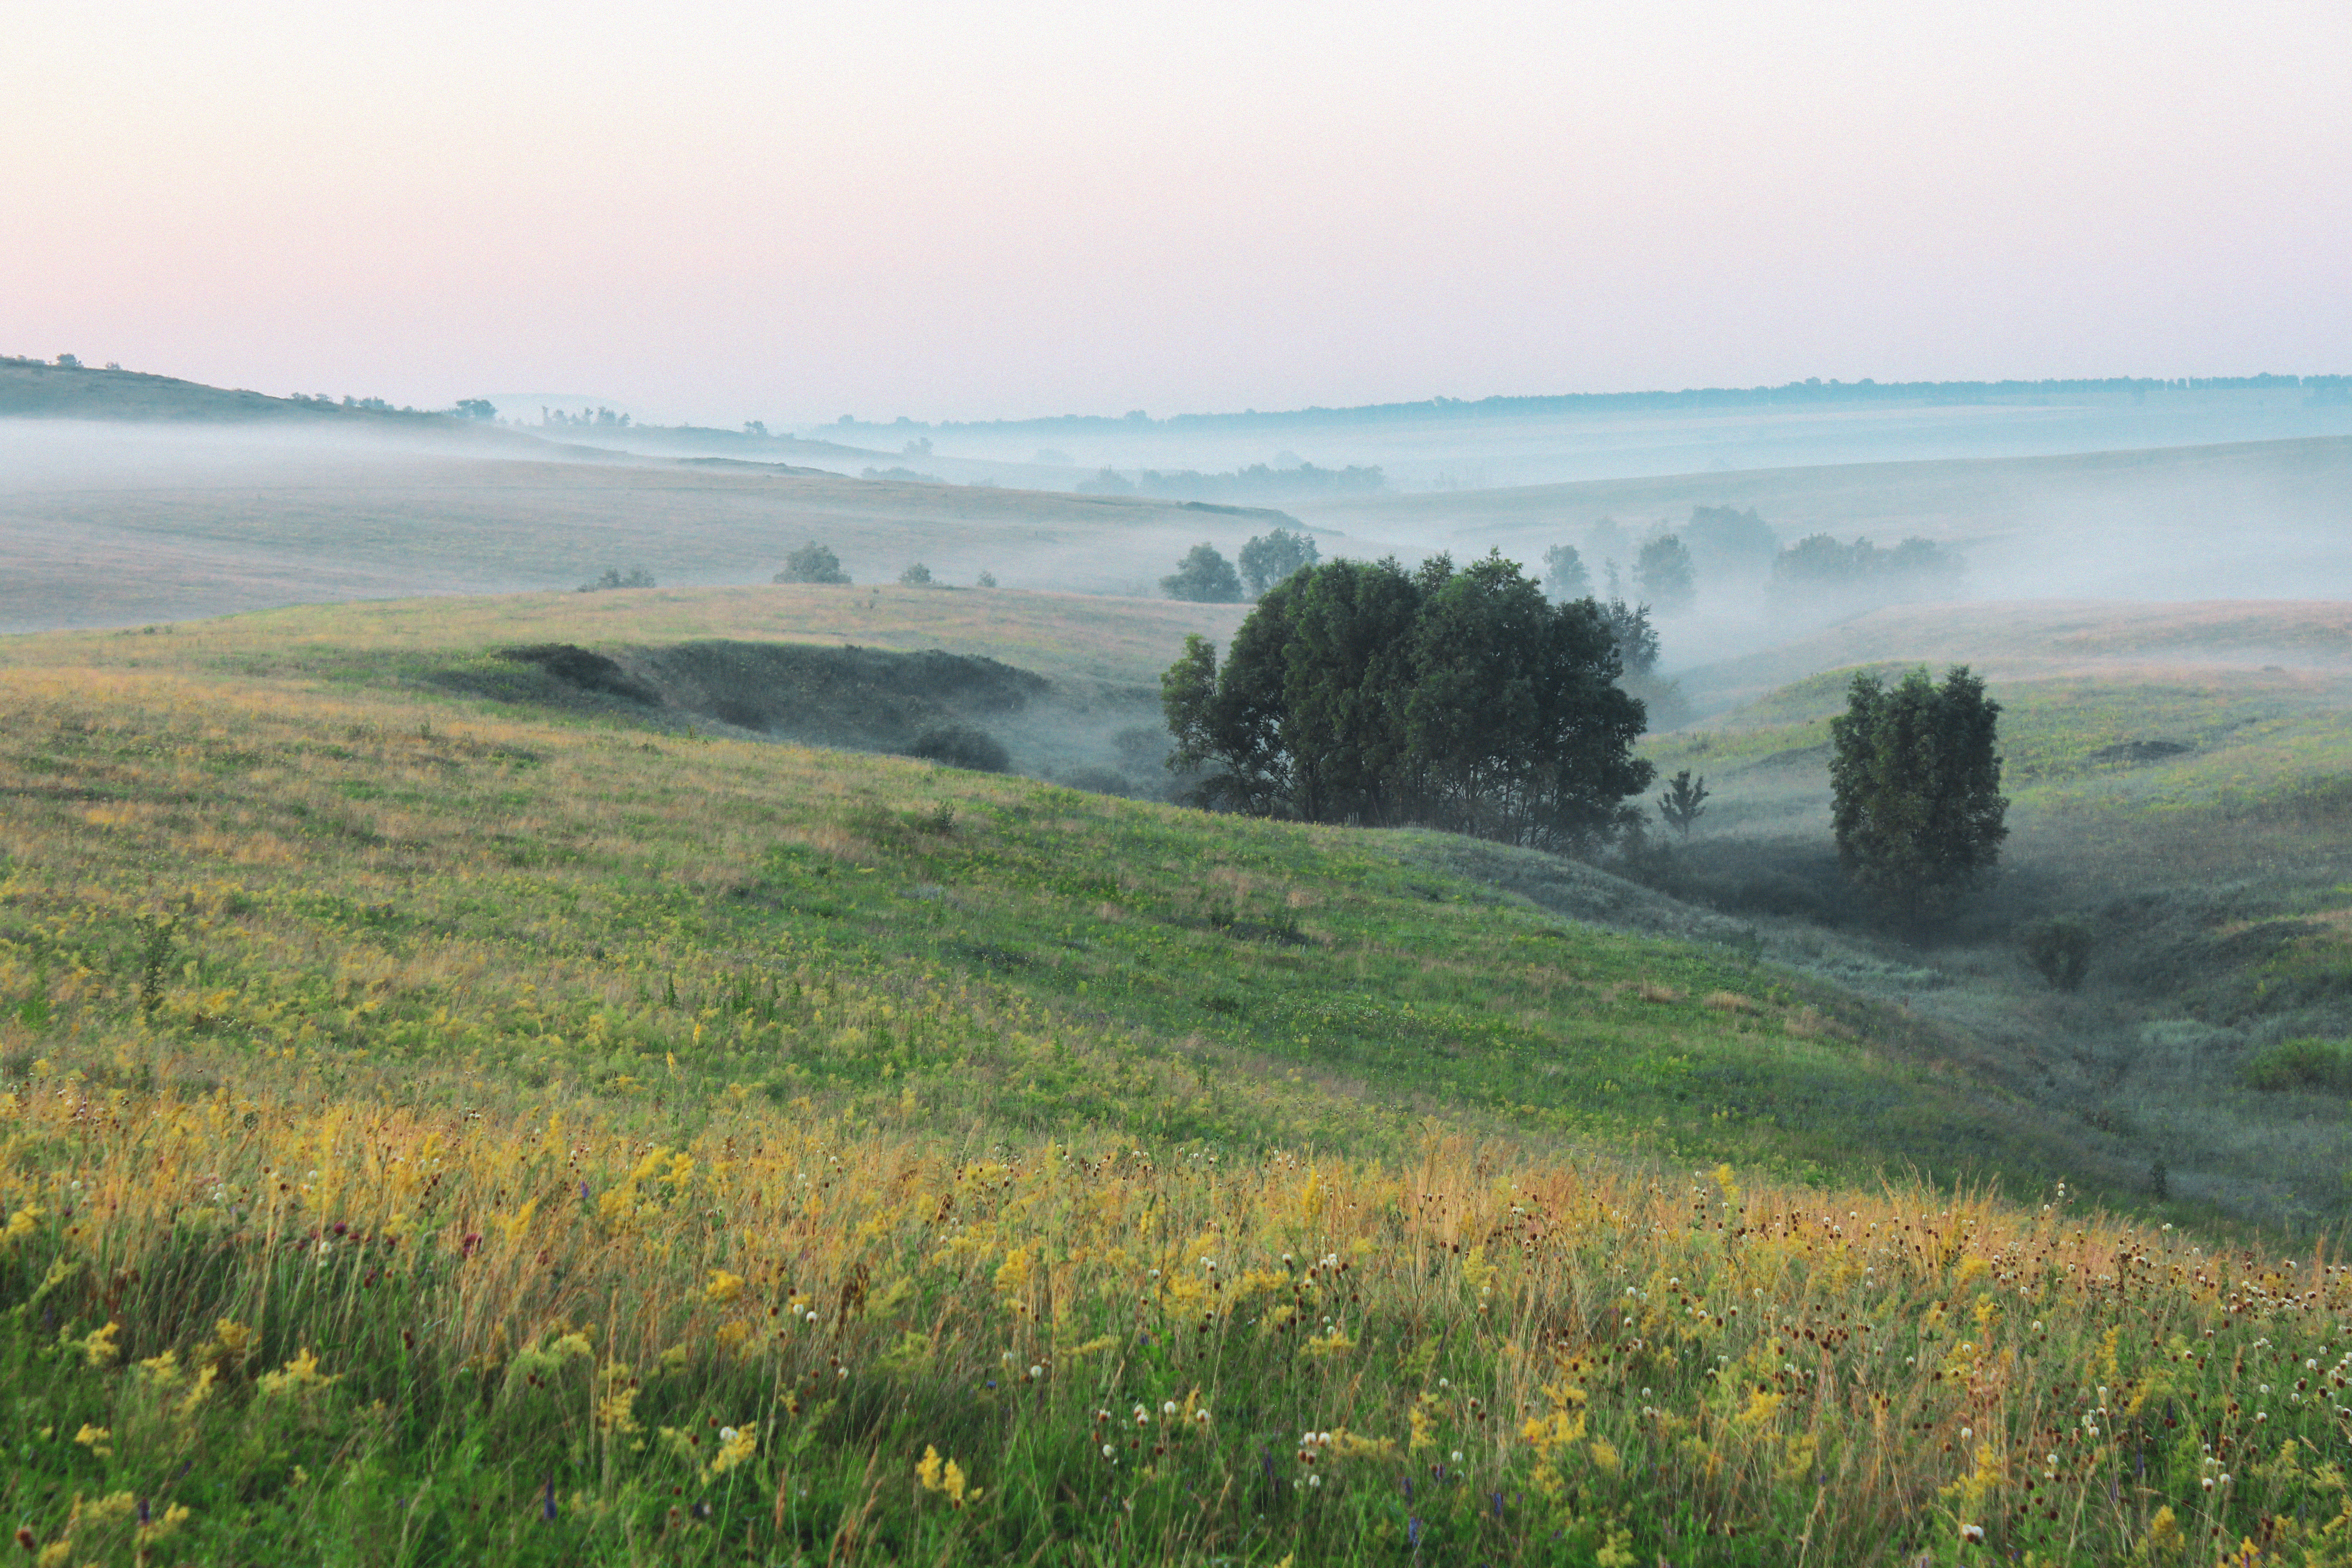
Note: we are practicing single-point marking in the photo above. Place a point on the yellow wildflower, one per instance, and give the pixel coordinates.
(97, 1439)
(736, 1444)
(99, 1347)
(299, 1375)
(723, 1288)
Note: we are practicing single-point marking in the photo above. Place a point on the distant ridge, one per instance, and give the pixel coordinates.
(64, 390)
(2323, 388)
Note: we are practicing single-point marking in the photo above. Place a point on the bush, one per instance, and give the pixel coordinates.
(1205, 577)
(962, 746)
(2058, 951)
(614, 577)
(2312, 1066)
(917, 575)
(811, 563)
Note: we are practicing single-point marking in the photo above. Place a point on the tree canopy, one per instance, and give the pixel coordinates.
(1270, 557)
(1362, 692)
(1915, 774)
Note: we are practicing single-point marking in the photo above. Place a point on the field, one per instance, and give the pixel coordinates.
(435, 1130)
(111, 525)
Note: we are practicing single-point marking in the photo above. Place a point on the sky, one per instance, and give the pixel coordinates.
(787, 212)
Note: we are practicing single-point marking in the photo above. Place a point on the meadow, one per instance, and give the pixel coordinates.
(2176, 777)
(433, 1131)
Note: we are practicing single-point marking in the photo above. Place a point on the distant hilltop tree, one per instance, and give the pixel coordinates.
(1565, 577)
(476, 408)
(1363, 692)
(917, 575)
(1664, 574)
(614, 577)
(811, 563)
(1271, 557)
(1203, 577)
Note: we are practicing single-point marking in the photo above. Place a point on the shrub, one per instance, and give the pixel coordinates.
(916, 575)
(962, 746)
(614, 577)
(2311, 1066)
(2058, 951)
(811, 563)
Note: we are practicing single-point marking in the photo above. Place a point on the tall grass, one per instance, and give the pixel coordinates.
(296, 1326)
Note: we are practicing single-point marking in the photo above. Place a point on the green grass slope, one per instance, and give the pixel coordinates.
(376, 874)
(2177, 775)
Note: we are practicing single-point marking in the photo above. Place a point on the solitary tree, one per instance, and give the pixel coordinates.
(917, 575)
(1271, 557)
(811, 563)
(1664, 575)
(1205, 577)
(1915, 774)
(1684, 803)
(1565, 577)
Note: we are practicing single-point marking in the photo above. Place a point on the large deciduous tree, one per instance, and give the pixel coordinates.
(1916, 773)
(1362, 692)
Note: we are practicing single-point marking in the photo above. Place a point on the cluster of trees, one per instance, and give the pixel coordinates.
(598, 418)
(1718, 543)
(1205, 577)
(1363, 692)
(1819, 566)
(614, 577)
(1257, 482)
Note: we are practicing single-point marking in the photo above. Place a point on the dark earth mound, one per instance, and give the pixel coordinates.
(948, 708)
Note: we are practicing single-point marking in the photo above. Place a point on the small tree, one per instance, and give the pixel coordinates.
(2058, 951)
(1664, 575)
(1684, 803)
(918, 575)
(1271, 557)
(811, 563)
(987, 580)
(1916, 773)
(1205, 577)
(1565, 577)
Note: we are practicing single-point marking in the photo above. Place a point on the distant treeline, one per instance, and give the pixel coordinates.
(1257, 482)
(1794, 393)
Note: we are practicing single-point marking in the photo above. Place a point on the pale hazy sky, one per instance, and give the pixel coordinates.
(789, 211)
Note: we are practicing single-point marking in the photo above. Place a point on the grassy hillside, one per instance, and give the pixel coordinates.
(2176, 782)
(432, 1131)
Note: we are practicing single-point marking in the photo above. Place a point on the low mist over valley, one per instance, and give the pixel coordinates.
(902, 871)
